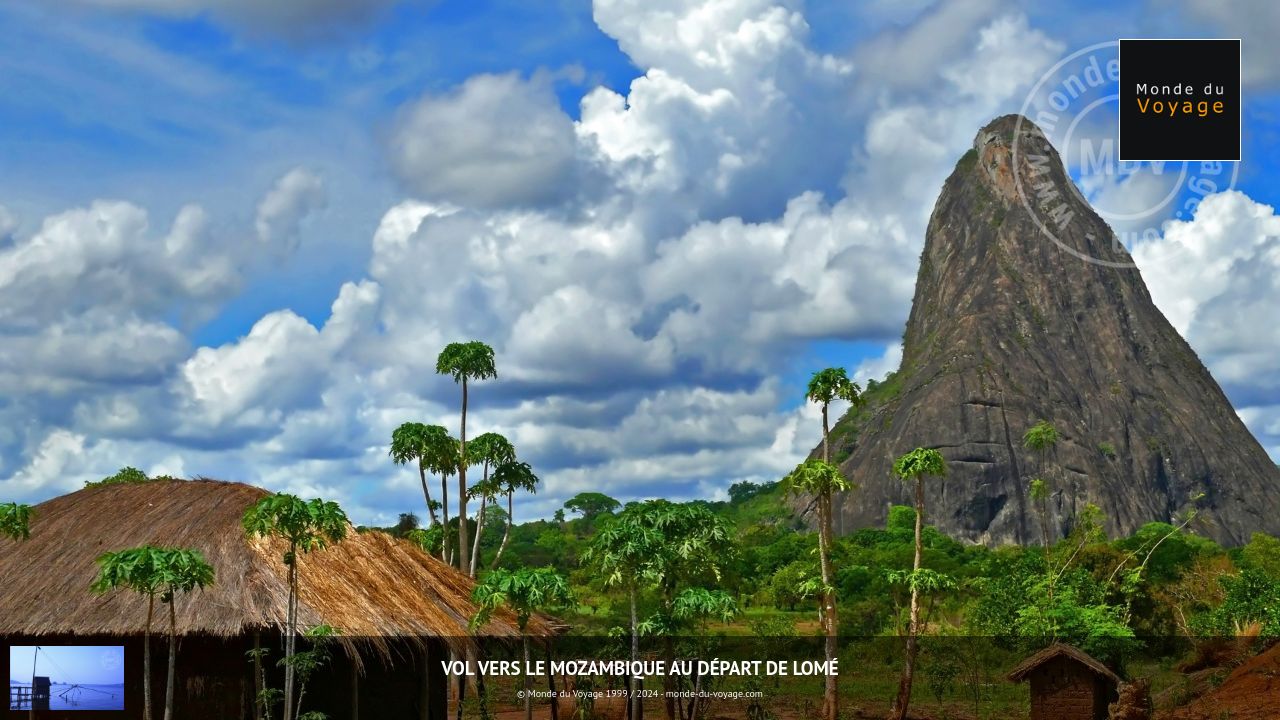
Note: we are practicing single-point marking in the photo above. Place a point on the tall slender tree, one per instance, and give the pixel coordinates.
(510, 477)
(525, 591)
(825, 387)
(914, 467)
(1041, 439)
(134, 569)
(15, 521)
(821, 479)
(411, 442)
(465, 362)
(182, 570)
(305, 526)
(489, 450)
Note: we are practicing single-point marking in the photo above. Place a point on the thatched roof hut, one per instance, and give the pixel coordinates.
(371, 585)
(1067, 684)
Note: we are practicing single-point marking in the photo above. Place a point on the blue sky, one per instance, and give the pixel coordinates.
(233, 235)
(76, 664)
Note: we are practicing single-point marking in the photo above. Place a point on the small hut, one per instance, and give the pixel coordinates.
(1067, 684)
(398, 611)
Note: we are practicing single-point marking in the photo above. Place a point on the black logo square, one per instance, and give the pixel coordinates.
(1180, 100)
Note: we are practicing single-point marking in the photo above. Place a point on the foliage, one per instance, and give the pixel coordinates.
(466, 360)
(1041, 436)
(15, 521)
(591, 505)
(814, 477)
(1249, 598)
(124, 476)
(525, 591)
(920, 462)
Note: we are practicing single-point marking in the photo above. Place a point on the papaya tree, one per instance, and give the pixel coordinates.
(181, 570)
(305, 526)
(820, 479)
(154, 571)
(465, 362)
(914, 467)
(411, 442)
(489, 450)
(525, 591)
(1041, 439)
(510, 477)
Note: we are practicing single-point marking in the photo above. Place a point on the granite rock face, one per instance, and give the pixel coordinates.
(1007, 327)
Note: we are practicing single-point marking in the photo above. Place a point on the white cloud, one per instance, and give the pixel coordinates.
(297, 195)
(495, 141)
(643, 273)
(1215, 278)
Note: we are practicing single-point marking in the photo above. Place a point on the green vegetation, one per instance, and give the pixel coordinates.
(305, 526)
(153, 571)
(15, 521)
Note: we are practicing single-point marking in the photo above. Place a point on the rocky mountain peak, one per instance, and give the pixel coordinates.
(1010, 326)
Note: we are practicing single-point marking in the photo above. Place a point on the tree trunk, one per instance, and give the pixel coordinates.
(637, 707)
(464, 555)
(146, 660)
(506, 534)
(528, 700)
(830, 699)
(913, 631)
(475, 555)
(426, 494)
(259, 683)
(291, 622)
(551, 685)
(355, 692)
(445, 556)
(173, 659)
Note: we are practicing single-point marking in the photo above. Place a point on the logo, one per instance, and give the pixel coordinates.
(1077, 105)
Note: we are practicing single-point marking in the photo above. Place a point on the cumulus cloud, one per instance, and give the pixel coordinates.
(1214, 277)
(645, 273)
(297, 195)
(495, 141)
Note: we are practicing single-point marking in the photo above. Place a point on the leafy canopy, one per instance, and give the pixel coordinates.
(832, 384)
(15, 521)
(525, 591)
(919, 463)
(124, 476)
(151, 570)
(815, 477)
(1040, 437)
(490, 448)
(305, 525)
(591, 505)
(466, 361)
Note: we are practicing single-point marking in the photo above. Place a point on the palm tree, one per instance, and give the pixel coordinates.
(465, 361)
(181, 570)
(442, 458)
(525, 591)
(489, 450)
(136, 569)
(914, 467)
(510, 477)
(15, 521)
(412, 442)
(821, 479)
(306, 526)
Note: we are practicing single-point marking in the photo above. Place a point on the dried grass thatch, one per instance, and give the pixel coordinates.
(370, 586)
(1024, 668)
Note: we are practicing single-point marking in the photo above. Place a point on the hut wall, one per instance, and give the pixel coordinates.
(1064, 690)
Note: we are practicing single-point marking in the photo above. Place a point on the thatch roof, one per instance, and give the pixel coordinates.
(1024, 668)
(371, 585)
